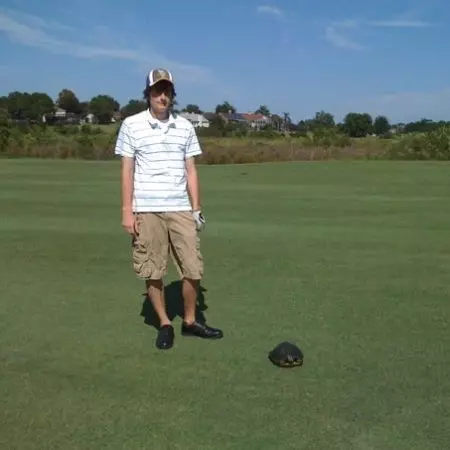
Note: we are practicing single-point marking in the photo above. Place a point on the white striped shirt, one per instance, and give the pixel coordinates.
(160, 150)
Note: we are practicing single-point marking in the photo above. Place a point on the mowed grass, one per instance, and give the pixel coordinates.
(351, 261)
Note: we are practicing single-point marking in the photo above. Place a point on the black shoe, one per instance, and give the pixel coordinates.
(200, 330)
(165, 337)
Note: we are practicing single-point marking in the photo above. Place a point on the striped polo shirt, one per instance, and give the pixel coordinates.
(160, 150)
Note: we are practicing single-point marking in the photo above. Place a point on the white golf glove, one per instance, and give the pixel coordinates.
(200, 220)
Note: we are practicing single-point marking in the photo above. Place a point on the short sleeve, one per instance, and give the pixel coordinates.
(192, 145)
(125, 145)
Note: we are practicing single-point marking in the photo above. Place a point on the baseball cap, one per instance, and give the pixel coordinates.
(157, 75)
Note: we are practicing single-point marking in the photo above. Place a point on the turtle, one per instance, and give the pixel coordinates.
(286, 354)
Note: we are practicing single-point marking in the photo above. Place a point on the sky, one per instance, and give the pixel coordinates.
(295, 56)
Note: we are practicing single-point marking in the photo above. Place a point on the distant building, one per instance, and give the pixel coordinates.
(234, 118)
(256, 121)
(198, 120)
(60, 113)
(90, 118)
(210, 116)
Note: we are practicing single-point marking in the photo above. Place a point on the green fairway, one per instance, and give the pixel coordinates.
(350, 260)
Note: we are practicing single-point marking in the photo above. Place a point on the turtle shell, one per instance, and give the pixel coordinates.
(286, 354)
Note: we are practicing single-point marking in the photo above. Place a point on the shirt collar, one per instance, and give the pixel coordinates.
(154, 123)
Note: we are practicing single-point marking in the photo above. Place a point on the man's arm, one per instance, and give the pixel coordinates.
(193, 184)
(192, 150)
(127, 181)
(125, 147)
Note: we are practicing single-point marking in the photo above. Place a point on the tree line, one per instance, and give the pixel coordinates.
(24, 106)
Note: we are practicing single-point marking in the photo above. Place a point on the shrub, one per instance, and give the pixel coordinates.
(430, 145)
(96, 142)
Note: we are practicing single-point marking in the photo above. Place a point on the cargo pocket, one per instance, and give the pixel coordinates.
(140, 251)
(140, 258)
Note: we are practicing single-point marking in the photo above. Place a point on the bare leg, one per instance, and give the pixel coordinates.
(155, 290)
(190, 326)
(190, 299)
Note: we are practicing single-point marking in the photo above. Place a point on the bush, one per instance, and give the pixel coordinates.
(96, 142)
(432, 145)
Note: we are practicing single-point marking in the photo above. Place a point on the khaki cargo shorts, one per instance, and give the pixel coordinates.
(165, 234)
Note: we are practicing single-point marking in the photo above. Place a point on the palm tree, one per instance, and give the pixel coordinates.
(286, 120)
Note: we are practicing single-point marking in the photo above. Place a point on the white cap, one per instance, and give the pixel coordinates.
(157, 75)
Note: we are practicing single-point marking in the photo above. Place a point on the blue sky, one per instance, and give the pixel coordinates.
(296, 56)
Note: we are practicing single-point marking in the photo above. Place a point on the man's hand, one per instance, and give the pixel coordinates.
(129, 222)
(200, 220)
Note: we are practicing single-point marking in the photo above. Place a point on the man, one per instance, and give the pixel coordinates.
(161, 202)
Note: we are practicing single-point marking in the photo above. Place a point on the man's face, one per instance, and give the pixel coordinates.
(160, 96)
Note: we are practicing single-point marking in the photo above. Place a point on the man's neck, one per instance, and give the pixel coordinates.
(161, 117)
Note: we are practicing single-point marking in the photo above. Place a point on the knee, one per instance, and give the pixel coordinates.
(155, 284)
(191, 282)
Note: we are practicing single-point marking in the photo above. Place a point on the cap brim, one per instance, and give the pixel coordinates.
(159, 81)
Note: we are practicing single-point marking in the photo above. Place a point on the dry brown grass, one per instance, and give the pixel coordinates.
(237, 150)
(94, 143)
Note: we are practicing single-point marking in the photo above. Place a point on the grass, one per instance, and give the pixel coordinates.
(350, 260)
(110, 128)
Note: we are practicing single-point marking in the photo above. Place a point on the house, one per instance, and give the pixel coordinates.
(89, 118)
(256, 121)
(60, 113)
(198, 120)
(210, 116)
(234, 118)
(61, 116)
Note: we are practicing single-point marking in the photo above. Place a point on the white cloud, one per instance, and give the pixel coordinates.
(335, 35)
(33, 31)
(35, 21)
(347, 23)
(337, 32)
(272, 10)
(400, 24)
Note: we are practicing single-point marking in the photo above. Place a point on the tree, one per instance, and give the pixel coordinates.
(18, 105)
(422, 126)
(286, 121)
(277, 121)
(68, 101)
(323, 119)
(4, 113)
(303, 127)
(193, 109)
(217, 123)
(225, 108)
(26, 106)
(133, 107)
(84, 108)
(103, 107)
(264, 110)
(358, 124)
(41, 104)
(381, 125)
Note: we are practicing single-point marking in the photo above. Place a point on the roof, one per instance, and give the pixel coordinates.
(234, 116)
(194, 117)
(209, 115)
(254, 117)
